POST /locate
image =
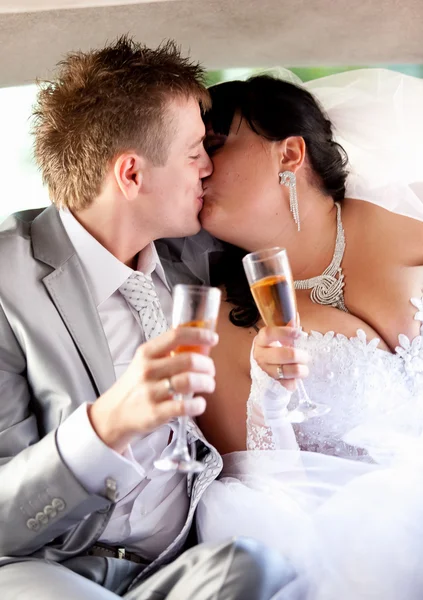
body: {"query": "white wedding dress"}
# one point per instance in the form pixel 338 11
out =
pixel 341 496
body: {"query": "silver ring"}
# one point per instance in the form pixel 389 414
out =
pixel 279 371
pixel 170 389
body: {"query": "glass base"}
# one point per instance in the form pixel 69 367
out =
pixel 179 464
pixel 304 413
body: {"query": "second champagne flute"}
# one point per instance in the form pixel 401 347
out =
pixel 270 278
pixel 193 306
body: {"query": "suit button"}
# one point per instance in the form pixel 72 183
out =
pixel 50 511
pixel 41 518
pixel 58 504
pixel 33 525
pixel 111 489
pixel 104 510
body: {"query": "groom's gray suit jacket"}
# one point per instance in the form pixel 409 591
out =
pixel 53 357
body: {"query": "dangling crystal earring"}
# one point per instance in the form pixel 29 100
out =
pixel 289 179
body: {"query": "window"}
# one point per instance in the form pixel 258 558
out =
pixel 21 185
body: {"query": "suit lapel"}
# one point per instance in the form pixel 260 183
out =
pixel 71 295
pixel 177 270
pixel 187 260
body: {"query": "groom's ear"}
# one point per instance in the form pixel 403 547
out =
pixel 128 172
pixel 292 151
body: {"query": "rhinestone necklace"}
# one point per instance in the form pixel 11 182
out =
pixel 328 288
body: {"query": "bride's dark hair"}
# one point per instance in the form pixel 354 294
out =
pixel 275 110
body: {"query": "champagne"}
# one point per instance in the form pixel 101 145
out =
pixel 275 300
pixel 270 278
pixel 198 307
pixel 209 324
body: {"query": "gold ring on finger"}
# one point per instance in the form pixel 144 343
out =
pixel 170 389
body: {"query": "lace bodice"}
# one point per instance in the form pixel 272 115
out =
pixel 362 384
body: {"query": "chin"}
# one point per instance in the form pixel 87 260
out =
pixel 188 231
pixel 211 225
pixel 206 218
pixel 223 234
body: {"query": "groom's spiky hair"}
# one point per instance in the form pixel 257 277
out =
pixel 104 102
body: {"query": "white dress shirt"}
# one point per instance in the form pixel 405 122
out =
pixel 151 505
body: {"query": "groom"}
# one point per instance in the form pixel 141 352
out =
pixel 86 377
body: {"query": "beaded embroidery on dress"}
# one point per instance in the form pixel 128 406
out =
pixel 362 384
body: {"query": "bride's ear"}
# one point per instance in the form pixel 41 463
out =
pixel 292 152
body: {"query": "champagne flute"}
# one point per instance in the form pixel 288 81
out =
pixel 193 306
pixel 270 279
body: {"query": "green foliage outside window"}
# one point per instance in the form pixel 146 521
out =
pixel 308 73
pixel 21 182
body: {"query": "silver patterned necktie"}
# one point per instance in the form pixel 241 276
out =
pixel 140 292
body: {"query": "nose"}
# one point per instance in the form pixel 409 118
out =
pixel 206 167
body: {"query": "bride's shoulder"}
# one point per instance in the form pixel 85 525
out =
pixel 393 231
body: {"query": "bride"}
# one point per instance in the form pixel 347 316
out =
pixel 340 495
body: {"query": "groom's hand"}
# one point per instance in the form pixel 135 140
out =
pixel 141 399
pixel 275 353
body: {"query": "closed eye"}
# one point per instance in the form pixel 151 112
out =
pixel 213 149
pixel 212 143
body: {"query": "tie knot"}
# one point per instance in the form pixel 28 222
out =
pixel 139 291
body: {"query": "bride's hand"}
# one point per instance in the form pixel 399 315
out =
pixel 275 353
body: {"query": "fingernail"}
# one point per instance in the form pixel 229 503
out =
pixel 214 338
pixel 210 337
pixel 194 407
pixel 275 345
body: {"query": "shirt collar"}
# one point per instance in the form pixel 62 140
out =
pixel 103 270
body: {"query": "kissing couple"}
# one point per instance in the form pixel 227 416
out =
pixel 136 152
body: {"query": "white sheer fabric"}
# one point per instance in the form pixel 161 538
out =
pixel 341 495
pixel 352 528
pixel 377 118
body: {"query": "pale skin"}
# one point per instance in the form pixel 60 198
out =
pixel 139 203
pixel 383 267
